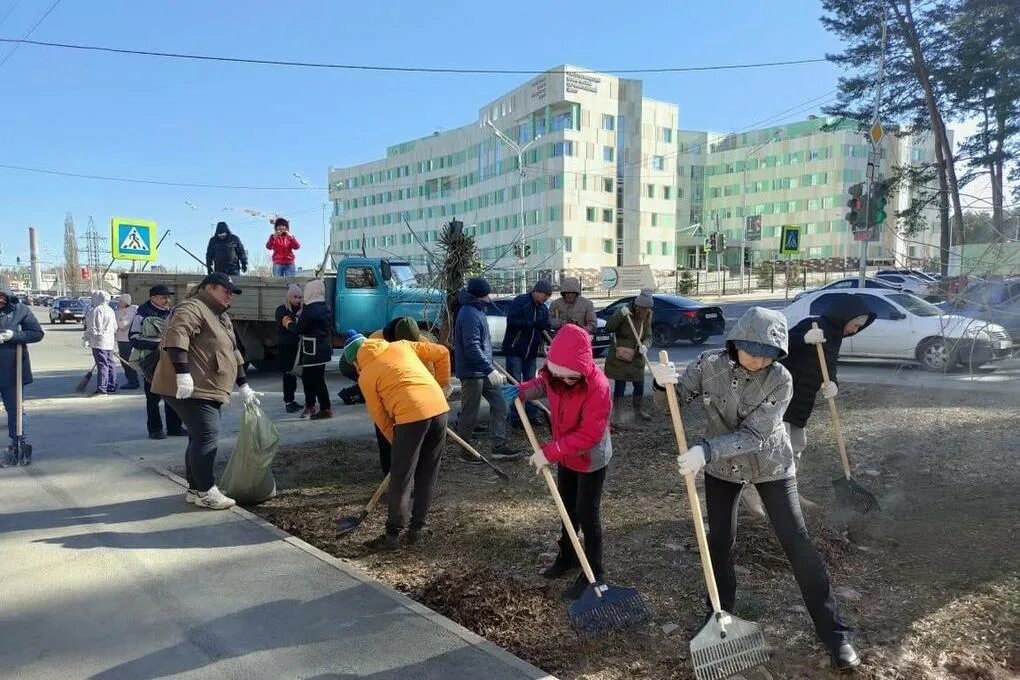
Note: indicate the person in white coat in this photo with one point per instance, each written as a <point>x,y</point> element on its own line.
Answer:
<point>101,337</point>
<point>126,311</point>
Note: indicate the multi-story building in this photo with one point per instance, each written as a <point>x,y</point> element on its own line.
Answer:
<point>599,180</point>
<point>609,178</point>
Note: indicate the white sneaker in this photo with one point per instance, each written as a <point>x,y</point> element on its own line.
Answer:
<point>191,496</point>
<point>214,500</point>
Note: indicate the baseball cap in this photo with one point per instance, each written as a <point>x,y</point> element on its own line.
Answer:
<point>221,279</point>
<point>160,289</point>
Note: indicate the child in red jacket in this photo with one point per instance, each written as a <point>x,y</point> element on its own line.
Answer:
<point>283,244</point>
<point>580,402</point>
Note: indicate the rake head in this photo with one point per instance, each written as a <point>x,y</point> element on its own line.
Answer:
<point>726,646</point>
<point>609,609</point>
<point>850,495</point>
<point>346,525</point>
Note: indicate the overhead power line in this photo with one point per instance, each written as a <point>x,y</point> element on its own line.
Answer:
<point>400,69</point>
<point>133,180</point>
<point>29,32</point>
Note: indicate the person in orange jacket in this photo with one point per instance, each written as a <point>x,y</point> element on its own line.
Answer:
<point>409,407</point>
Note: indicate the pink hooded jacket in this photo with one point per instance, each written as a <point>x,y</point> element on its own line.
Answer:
<point>580,412</point>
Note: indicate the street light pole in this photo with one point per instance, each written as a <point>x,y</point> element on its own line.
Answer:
<point>519,150</point>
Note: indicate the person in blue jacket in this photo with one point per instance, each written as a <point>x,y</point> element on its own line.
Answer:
<point>18,328</point>
<point>473,366</point>
<point>527,322</point>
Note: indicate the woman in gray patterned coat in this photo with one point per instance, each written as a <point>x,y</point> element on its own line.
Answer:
<point>745,393</point>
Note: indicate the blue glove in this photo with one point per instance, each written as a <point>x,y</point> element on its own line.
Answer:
<point>509,393</point>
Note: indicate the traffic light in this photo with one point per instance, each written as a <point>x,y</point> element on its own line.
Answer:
<point>879,193</point>
<point>720,242</point>
<point>711,243</point>
<point>527,250</point>
<point>856,205</point>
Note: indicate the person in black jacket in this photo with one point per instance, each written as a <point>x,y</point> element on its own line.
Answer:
<point>287,344</point>
<point>18,329</point>
<point>315,349</point>
<point>225,252</point>
<point>527,322</point>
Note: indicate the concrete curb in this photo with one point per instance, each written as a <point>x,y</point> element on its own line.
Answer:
<point>353,572</point>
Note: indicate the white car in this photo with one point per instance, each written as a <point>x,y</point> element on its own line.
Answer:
<point>908,328</point>
<point>495,314</point>
<point>908,282</point>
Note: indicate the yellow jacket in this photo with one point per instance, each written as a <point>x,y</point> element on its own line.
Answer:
<point>397,386</point>
<point>429,364</point>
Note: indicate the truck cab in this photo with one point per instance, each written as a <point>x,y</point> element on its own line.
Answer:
<point>370,291</point>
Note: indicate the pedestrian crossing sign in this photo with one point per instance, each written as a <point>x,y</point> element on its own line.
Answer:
<point>789,240</point>
<point>133,239</point>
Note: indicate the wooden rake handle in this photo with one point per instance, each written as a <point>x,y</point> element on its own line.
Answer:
<point>506,374</point>
<point>836,426</point>
<point>692,494</point>
<point>551,483</point>
<point>380,490</point>
<point>474,452</point>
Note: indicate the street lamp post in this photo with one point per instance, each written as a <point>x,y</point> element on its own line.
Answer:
<point>522,173</point>
<point>325,229</point>
<point>743,201</point>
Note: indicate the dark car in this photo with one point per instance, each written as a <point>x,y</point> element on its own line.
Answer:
<point>67,309</point>
<point>497,310</point>
<point>677,318</point>
<point>994,301</point>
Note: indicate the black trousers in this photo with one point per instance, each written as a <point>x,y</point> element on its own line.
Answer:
<point>152,421</point>
<point>130,374</point>
<point>385,451</point>
<point>202,417</point>
<point>287,355</point>
<point>313,378</point>
<point>417,452</point>
<point>582,494</point>
<point>782,504</point>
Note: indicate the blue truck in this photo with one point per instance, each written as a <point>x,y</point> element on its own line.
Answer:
<point>364,292</point>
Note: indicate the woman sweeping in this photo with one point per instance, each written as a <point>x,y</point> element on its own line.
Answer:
<point>314,349</point>
<point>626,360</point>
<point>579,401</point>
<point>745,394</point>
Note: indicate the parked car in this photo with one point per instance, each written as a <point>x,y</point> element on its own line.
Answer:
<point>927,277</point>
<point>849,282</point>
<point>995,301</point>
<point>676,318</point>
<point>908,282</point>
<point>67,309</point>
<point>908,328</point>
<point>495,313</point>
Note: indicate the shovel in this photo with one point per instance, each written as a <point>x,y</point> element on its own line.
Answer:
<point>850,495</point>
<point>725,645</point>
<point>21,451</point>
<point>346,525</point>
<point>470,449</point>
<point>602,608</point>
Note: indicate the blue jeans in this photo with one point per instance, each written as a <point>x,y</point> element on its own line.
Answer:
<point>285,269</point>
<point>521,370</point>
<point>10,398</point>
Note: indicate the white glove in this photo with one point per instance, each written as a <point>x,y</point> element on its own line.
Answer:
<point>496,378</point>
<point>248,395</point>
<point>6,335</point>
<point>448,390</point>
<point>665,374</point>
<point>642,350</point>
<point>692,461</point>
<point>625,310</point>
<point>815,336</point>
<point>185,386</point>
<point>85,344</point>
<point>829,390</point>
<point>539,460</point>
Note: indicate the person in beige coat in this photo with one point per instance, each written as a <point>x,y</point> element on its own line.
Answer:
<point>571,308</point>
<point>199,366</point>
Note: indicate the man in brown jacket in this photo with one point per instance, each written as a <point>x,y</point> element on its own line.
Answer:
<point>198,367</point>
<point>570,307</point>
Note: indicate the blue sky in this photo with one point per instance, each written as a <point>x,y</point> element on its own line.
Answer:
<point>198,122</point>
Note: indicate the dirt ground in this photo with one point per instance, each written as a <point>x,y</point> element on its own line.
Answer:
<point>931,583</point>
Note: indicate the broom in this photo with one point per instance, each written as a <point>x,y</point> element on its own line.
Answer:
<point>602,608</point>
<point>850,495</point>
<point>725,645</point>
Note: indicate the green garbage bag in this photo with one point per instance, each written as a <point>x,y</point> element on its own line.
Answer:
<point>248,478</point>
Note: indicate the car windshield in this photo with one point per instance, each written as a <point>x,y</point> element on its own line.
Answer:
<point>914,304</point>
<point>402,275</point>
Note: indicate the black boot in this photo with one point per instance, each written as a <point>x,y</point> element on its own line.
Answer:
<point>562,566</point>
<point>576,590</point>
<point>845,658</point>
<point>385,542</point>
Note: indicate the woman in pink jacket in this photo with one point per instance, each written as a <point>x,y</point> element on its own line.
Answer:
<point>283,244</point>
<point>580,402</point>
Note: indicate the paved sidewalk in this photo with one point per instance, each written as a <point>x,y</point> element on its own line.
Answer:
<point>109,575</point>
